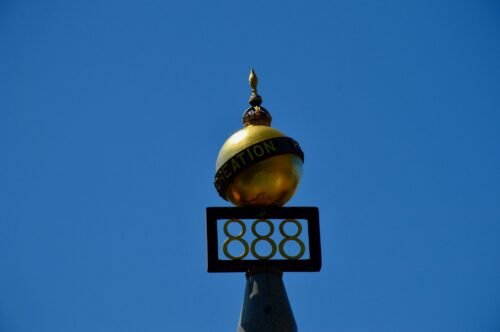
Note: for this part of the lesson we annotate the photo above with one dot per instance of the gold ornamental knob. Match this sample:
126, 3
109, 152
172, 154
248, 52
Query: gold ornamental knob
258, 165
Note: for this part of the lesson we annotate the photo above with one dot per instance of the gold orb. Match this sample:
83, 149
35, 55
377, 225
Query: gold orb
271, 181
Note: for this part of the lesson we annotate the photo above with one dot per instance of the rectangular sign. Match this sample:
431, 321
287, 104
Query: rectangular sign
241, 239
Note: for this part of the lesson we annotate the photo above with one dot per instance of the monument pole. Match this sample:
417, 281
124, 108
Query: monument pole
258, 170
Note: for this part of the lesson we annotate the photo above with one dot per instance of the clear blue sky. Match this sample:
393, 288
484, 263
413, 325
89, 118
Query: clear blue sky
112, 114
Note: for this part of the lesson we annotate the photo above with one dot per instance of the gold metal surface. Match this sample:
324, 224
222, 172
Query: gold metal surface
272, 181
244, 138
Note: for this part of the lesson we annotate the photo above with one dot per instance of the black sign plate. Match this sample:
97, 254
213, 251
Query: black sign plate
268, 226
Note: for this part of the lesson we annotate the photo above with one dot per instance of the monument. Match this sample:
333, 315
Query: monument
258, 170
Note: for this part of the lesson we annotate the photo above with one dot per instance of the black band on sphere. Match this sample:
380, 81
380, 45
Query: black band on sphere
252, 155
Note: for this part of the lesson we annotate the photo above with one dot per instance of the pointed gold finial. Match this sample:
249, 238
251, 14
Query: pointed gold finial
253, 80
256, 115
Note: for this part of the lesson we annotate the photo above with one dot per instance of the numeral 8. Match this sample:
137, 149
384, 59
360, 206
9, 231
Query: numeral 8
238, 238
265, 237
291, 238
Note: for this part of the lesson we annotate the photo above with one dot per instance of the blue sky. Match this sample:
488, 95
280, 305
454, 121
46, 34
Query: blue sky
112, 114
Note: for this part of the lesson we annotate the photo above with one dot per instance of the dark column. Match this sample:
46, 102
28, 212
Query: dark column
265, 304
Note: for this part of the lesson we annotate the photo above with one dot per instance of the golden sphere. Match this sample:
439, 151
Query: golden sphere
269, 182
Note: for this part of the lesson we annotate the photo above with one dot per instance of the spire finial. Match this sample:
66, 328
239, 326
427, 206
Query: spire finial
256, 115
255, 99
253, 80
